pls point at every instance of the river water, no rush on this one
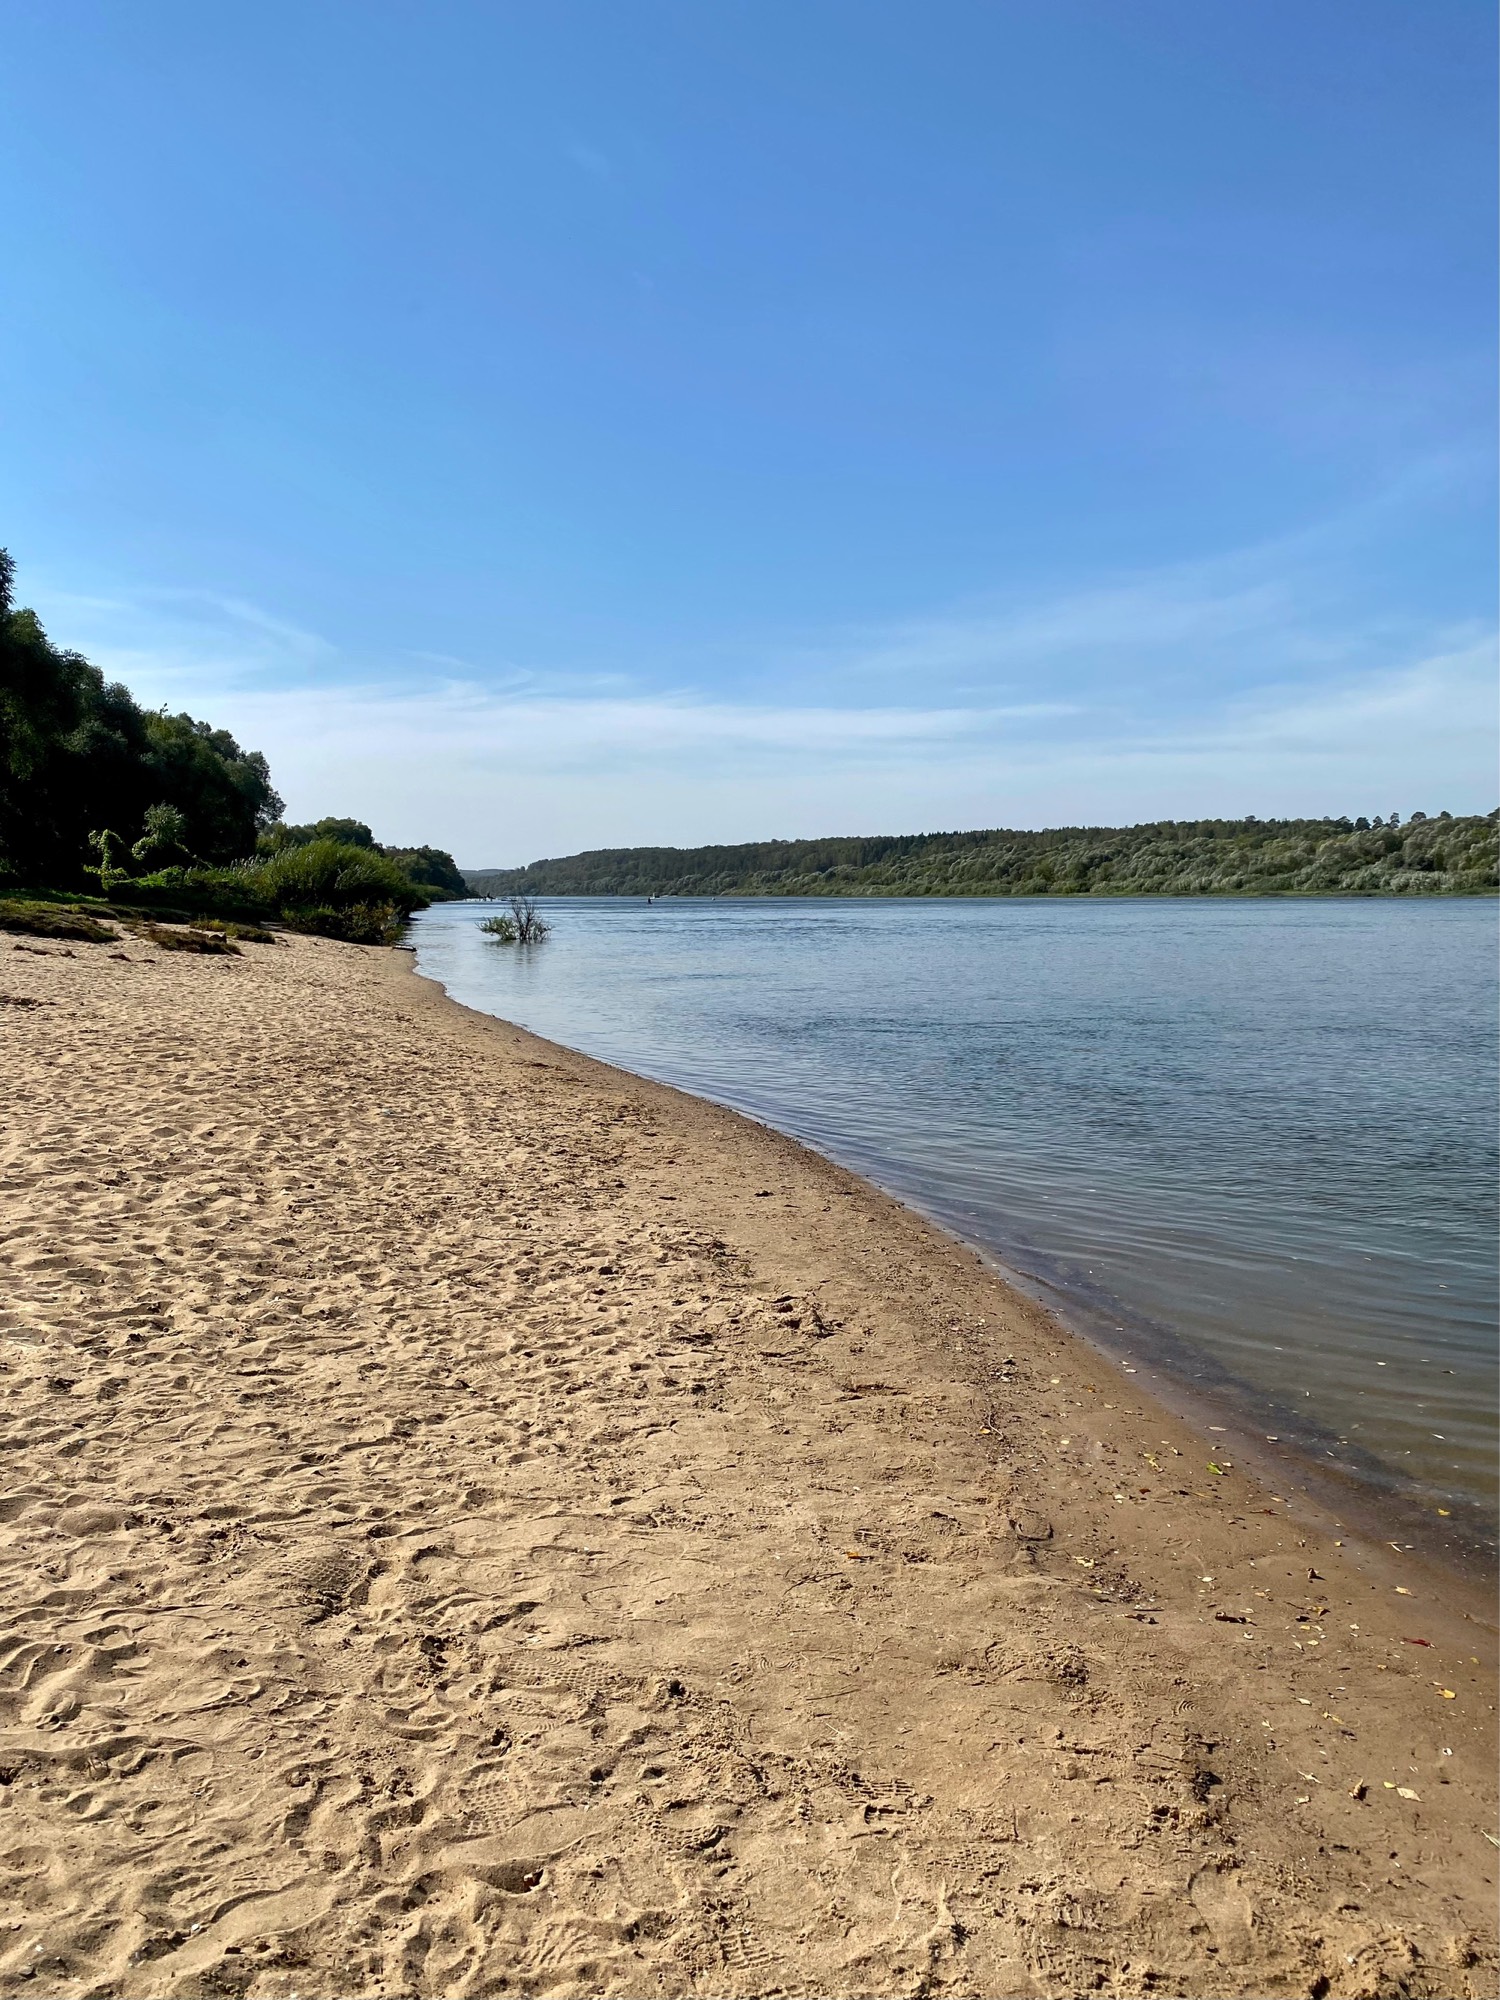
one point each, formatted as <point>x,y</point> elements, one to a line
<point>1252,1142</point>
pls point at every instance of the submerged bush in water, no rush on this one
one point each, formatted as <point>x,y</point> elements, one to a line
<point>524,925</point>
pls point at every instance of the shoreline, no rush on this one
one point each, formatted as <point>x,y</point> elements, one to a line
<point>1360,1492</point>
<point>526,1521</point>
<point>1372,1513</point>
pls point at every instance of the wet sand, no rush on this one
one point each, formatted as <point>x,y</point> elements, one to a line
<point>476,1522</point>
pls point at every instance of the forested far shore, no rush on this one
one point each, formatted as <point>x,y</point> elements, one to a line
<point>1382,856</point>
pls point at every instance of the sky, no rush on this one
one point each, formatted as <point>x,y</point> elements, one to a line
<point>550,424</point>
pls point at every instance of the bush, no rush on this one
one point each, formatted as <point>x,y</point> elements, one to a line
<point>329,888</point>
<point>524,925</point>
<point>356,923</point>
<point>431,870</point>
<point>331,875</point>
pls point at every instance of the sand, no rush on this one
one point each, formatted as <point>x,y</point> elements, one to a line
<point>477,1522</point>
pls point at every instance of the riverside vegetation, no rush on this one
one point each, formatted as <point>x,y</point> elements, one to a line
<point>106,807</point>
<point>524,925</point>
<point>1441,856</point>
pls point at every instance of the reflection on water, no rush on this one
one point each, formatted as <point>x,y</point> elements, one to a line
<point>1265,1129</point>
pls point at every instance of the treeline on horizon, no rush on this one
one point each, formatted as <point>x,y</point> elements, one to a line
<point>138,807</point>
<point>1438,856</point>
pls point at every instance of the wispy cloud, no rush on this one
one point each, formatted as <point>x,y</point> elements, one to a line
<point>1252,683</point>
<point>503,778</point>
<point>1306,602</point>
<point>188,637</point>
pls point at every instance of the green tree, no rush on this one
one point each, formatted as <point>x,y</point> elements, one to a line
<point>77,753</point>
<point>164,840</point>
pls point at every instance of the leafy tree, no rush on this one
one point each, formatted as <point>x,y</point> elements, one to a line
<point>163,841</point>
<point>348,833</point>
<point>77,753</point>
<point>431,869</point>
<point>224,793</point>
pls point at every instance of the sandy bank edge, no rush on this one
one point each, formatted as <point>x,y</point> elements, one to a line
<point>1362,1525</point>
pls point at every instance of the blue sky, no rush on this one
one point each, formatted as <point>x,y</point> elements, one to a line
<point>586,422</point>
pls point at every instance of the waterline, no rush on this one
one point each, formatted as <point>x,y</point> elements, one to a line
<point>1256,1136</point>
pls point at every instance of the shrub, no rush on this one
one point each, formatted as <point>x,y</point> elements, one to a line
<point>356,923</point>
<point>108,846</point>
<point>165,834</point>
<point>331,875</point>
<point>524,925</point>
<point>224,892</point>
<point>431,870</point>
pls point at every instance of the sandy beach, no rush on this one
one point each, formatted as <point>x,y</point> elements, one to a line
<point>476,1522</point>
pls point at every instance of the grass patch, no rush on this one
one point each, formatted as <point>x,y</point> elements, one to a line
<point>213,943</point>
<point>241,933</point>
<point>57,920</point>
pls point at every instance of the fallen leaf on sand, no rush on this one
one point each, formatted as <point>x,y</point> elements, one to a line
<point>1447,1694</point>
<point>1402,1591</point>
<point>1216,1468</point>
<point>1406,1792</point>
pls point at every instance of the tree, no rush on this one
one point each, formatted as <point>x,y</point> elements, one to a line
<point>163,841</point>
<point>224,792</point>
<point>77,754</point>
